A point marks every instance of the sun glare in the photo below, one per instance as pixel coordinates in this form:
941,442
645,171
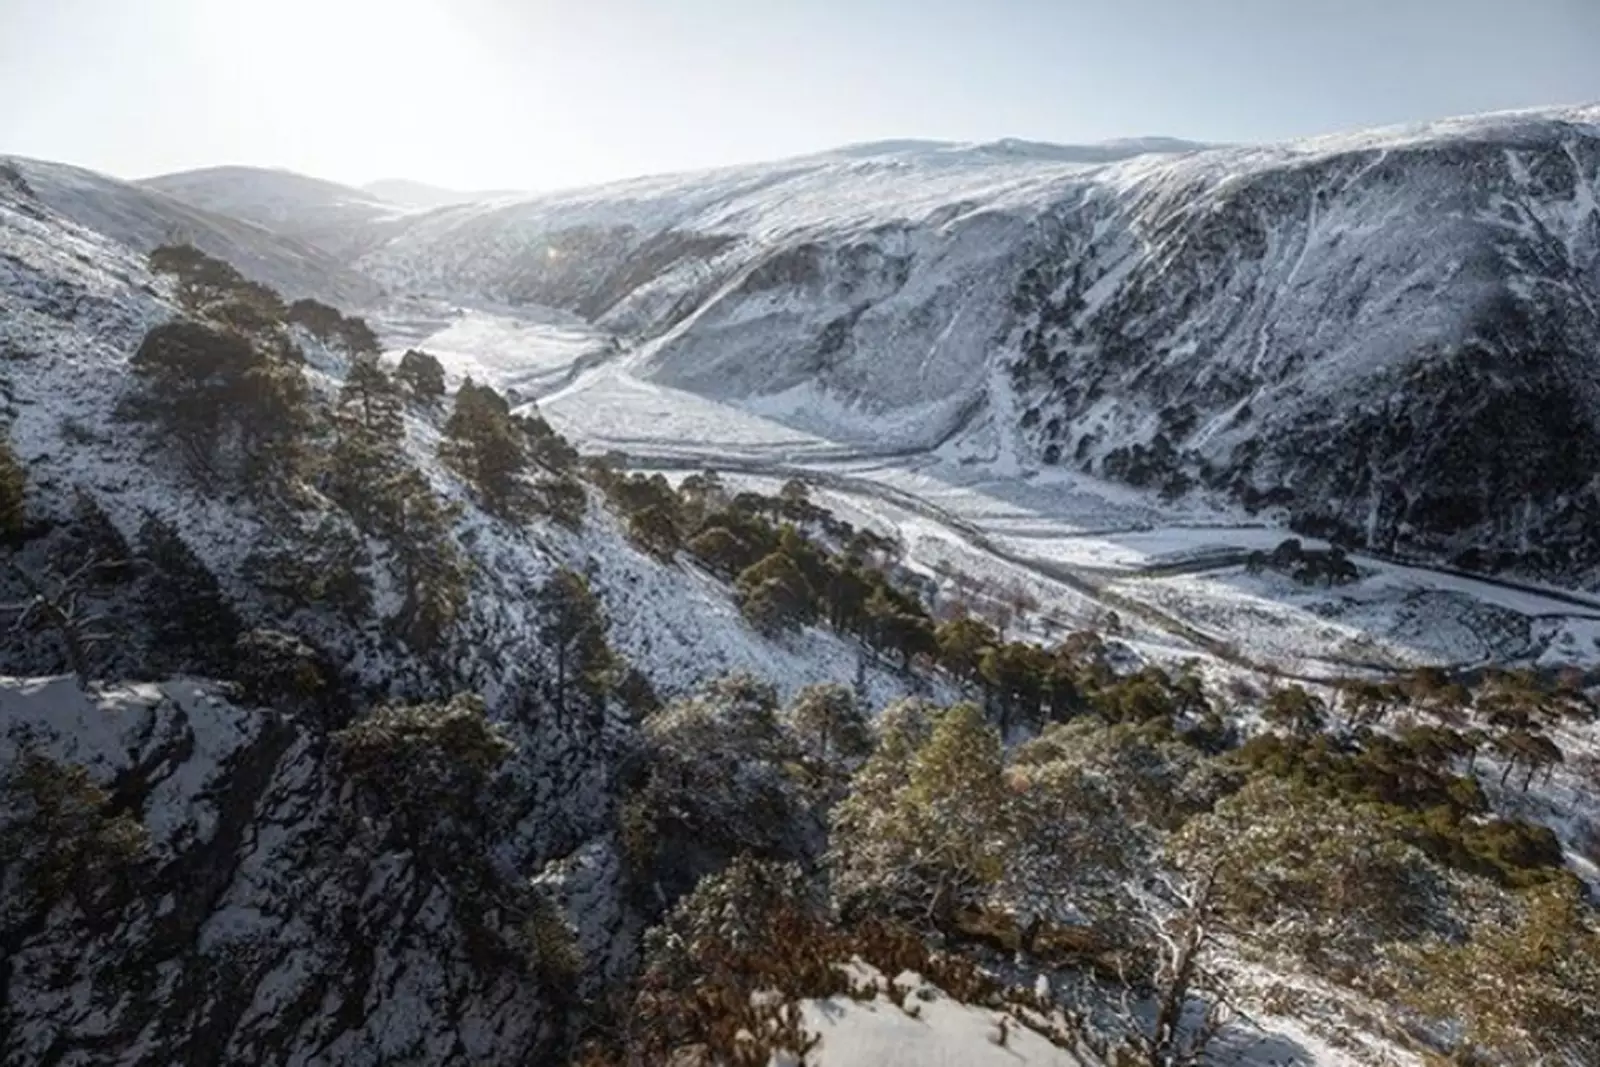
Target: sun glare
399,74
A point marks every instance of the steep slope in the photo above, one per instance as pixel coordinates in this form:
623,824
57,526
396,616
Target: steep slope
143,218
1394,335
827,271
278,914
1389,336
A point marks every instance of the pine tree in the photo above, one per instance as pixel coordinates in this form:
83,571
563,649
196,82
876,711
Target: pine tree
934,836
322,321
1014,676
562,498
962,644
202,280
432,574
720,550
1525,991
272,410
485,446
372,400
1300,712
358,338
422,375
573,627
774,595
220,397
370,428
189,371
897,626
655,530
423,765
832,729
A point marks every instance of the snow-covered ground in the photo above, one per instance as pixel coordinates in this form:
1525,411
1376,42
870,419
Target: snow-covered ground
1063,536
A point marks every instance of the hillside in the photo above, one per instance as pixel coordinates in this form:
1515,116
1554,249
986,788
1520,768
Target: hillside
840,611
1352,332
317,212
235,781
425,197
141,219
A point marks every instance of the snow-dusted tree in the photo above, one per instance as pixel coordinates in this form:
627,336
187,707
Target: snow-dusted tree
934,842
431,571
1014,677
1368,703
486,448
190,372
1074,846
423,376
1295,709
1522,990
895,623
61,838
655,530
371,399
358,337
774,595
962,644
1300,872
700,494
562,498
322,321
203,280
832,730
719,550
572,626
423,764
715,779
369,432
230,405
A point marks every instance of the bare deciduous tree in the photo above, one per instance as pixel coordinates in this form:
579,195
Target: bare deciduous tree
57,603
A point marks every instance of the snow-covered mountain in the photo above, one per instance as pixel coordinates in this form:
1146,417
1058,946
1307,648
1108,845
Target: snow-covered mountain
1390,334
140,219
1296,327
294,205
424,196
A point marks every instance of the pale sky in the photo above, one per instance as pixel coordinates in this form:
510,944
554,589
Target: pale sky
545,93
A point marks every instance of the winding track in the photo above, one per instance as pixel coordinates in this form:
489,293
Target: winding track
817,462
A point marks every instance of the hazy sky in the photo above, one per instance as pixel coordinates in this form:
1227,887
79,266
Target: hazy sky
540,93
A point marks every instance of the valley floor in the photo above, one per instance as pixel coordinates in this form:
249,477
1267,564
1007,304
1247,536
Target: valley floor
1173,573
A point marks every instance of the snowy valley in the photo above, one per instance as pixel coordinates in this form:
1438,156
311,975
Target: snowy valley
962,603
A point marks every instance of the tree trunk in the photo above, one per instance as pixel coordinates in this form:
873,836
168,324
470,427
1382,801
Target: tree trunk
1169,1017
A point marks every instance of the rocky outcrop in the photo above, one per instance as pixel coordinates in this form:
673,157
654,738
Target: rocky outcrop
267,919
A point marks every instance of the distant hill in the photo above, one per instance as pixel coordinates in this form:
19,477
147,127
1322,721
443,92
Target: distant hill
421,195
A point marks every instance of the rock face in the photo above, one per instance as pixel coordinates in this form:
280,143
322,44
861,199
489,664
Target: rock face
264,922
1396,340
